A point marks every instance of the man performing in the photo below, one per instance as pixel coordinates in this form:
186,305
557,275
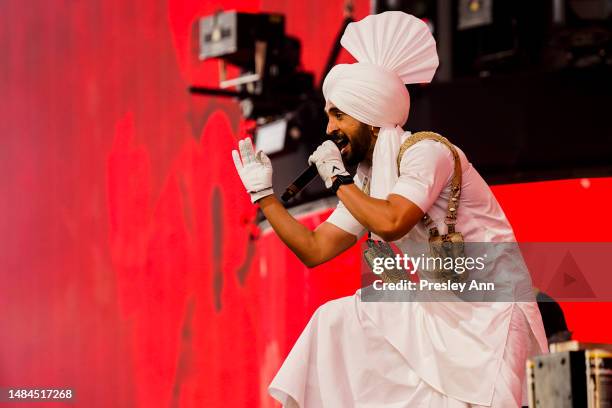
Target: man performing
395,354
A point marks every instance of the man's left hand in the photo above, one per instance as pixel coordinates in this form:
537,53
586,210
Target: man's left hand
329,163
255,170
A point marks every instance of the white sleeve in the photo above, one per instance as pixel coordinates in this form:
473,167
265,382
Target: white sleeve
426,168
342,218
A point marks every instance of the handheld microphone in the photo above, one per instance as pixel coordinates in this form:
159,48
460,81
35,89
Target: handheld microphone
300,182
309,174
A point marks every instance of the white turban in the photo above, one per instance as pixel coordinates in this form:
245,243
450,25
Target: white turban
392,49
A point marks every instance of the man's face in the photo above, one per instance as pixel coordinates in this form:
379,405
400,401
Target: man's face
345,129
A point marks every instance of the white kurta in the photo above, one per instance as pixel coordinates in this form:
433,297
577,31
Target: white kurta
412,354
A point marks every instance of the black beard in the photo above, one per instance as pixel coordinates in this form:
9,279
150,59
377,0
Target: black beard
360,146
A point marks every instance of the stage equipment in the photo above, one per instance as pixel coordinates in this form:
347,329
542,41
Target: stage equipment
270,82
572,377
481,38
282,100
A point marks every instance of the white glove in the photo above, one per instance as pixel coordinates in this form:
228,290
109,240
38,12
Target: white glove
328,160
255,171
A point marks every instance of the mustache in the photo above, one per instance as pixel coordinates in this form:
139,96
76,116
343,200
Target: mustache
339,139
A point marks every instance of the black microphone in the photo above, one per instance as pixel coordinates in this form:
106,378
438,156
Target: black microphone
300,183
309,174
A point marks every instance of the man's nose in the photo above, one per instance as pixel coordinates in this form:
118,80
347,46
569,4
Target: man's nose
331,127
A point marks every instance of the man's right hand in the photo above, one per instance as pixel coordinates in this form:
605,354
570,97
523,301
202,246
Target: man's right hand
255,171
328,160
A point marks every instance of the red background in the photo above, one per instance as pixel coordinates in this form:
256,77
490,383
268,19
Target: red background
131,271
